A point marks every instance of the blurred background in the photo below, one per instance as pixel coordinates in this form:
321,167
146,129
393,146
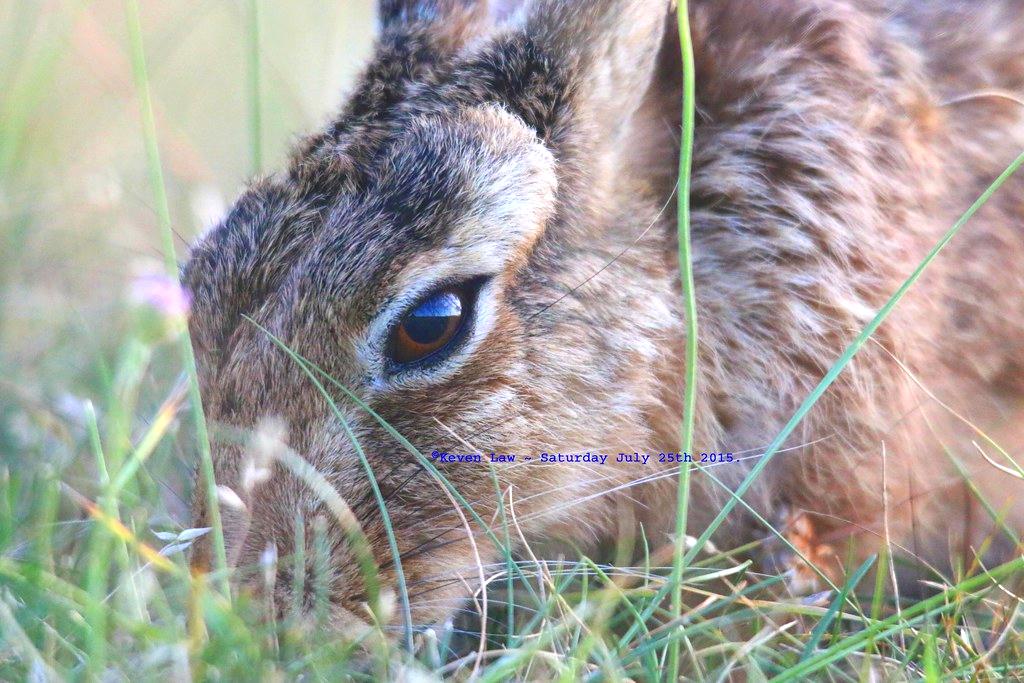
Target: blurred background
77,216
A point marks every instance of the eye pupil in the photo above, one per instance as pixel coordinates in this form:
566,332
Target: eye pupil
425,330
428,327
428,322
430,319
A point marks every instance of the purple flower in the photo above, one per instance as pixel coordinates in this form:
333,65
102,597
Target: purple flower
162,293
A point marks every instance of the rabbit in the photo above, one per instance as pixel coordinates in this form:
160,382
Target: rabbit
482,248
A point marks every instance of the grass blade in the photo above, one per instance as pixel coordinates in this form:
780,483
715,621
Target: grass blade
255,87
833,609
933,606
138,58
679,560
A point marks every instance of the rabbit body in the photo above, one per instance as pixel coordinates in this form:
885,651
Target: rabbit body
528,154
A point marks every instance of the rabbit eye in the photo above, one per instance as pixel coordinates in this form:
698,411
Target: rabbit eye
430,326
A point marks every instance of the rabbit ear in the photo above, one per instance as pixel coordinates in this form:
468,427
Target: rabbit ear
610,47
552,61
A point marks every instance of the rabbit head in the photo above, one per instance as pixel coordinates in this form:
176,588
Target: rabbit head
428,265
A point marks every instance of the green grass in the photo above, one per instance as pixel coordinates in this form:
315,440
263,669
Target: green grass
188,360
101,422
679,558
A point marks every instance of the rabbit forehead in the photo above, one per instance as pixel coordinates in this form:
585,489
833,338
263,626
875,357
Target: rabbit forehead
476,185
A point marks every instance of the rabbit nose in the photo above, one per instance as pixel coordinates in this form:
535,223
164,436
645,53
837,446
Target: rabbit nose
302,586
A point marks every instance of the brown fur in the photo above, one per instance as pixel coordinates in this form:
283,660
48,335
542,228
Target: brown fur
835,143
